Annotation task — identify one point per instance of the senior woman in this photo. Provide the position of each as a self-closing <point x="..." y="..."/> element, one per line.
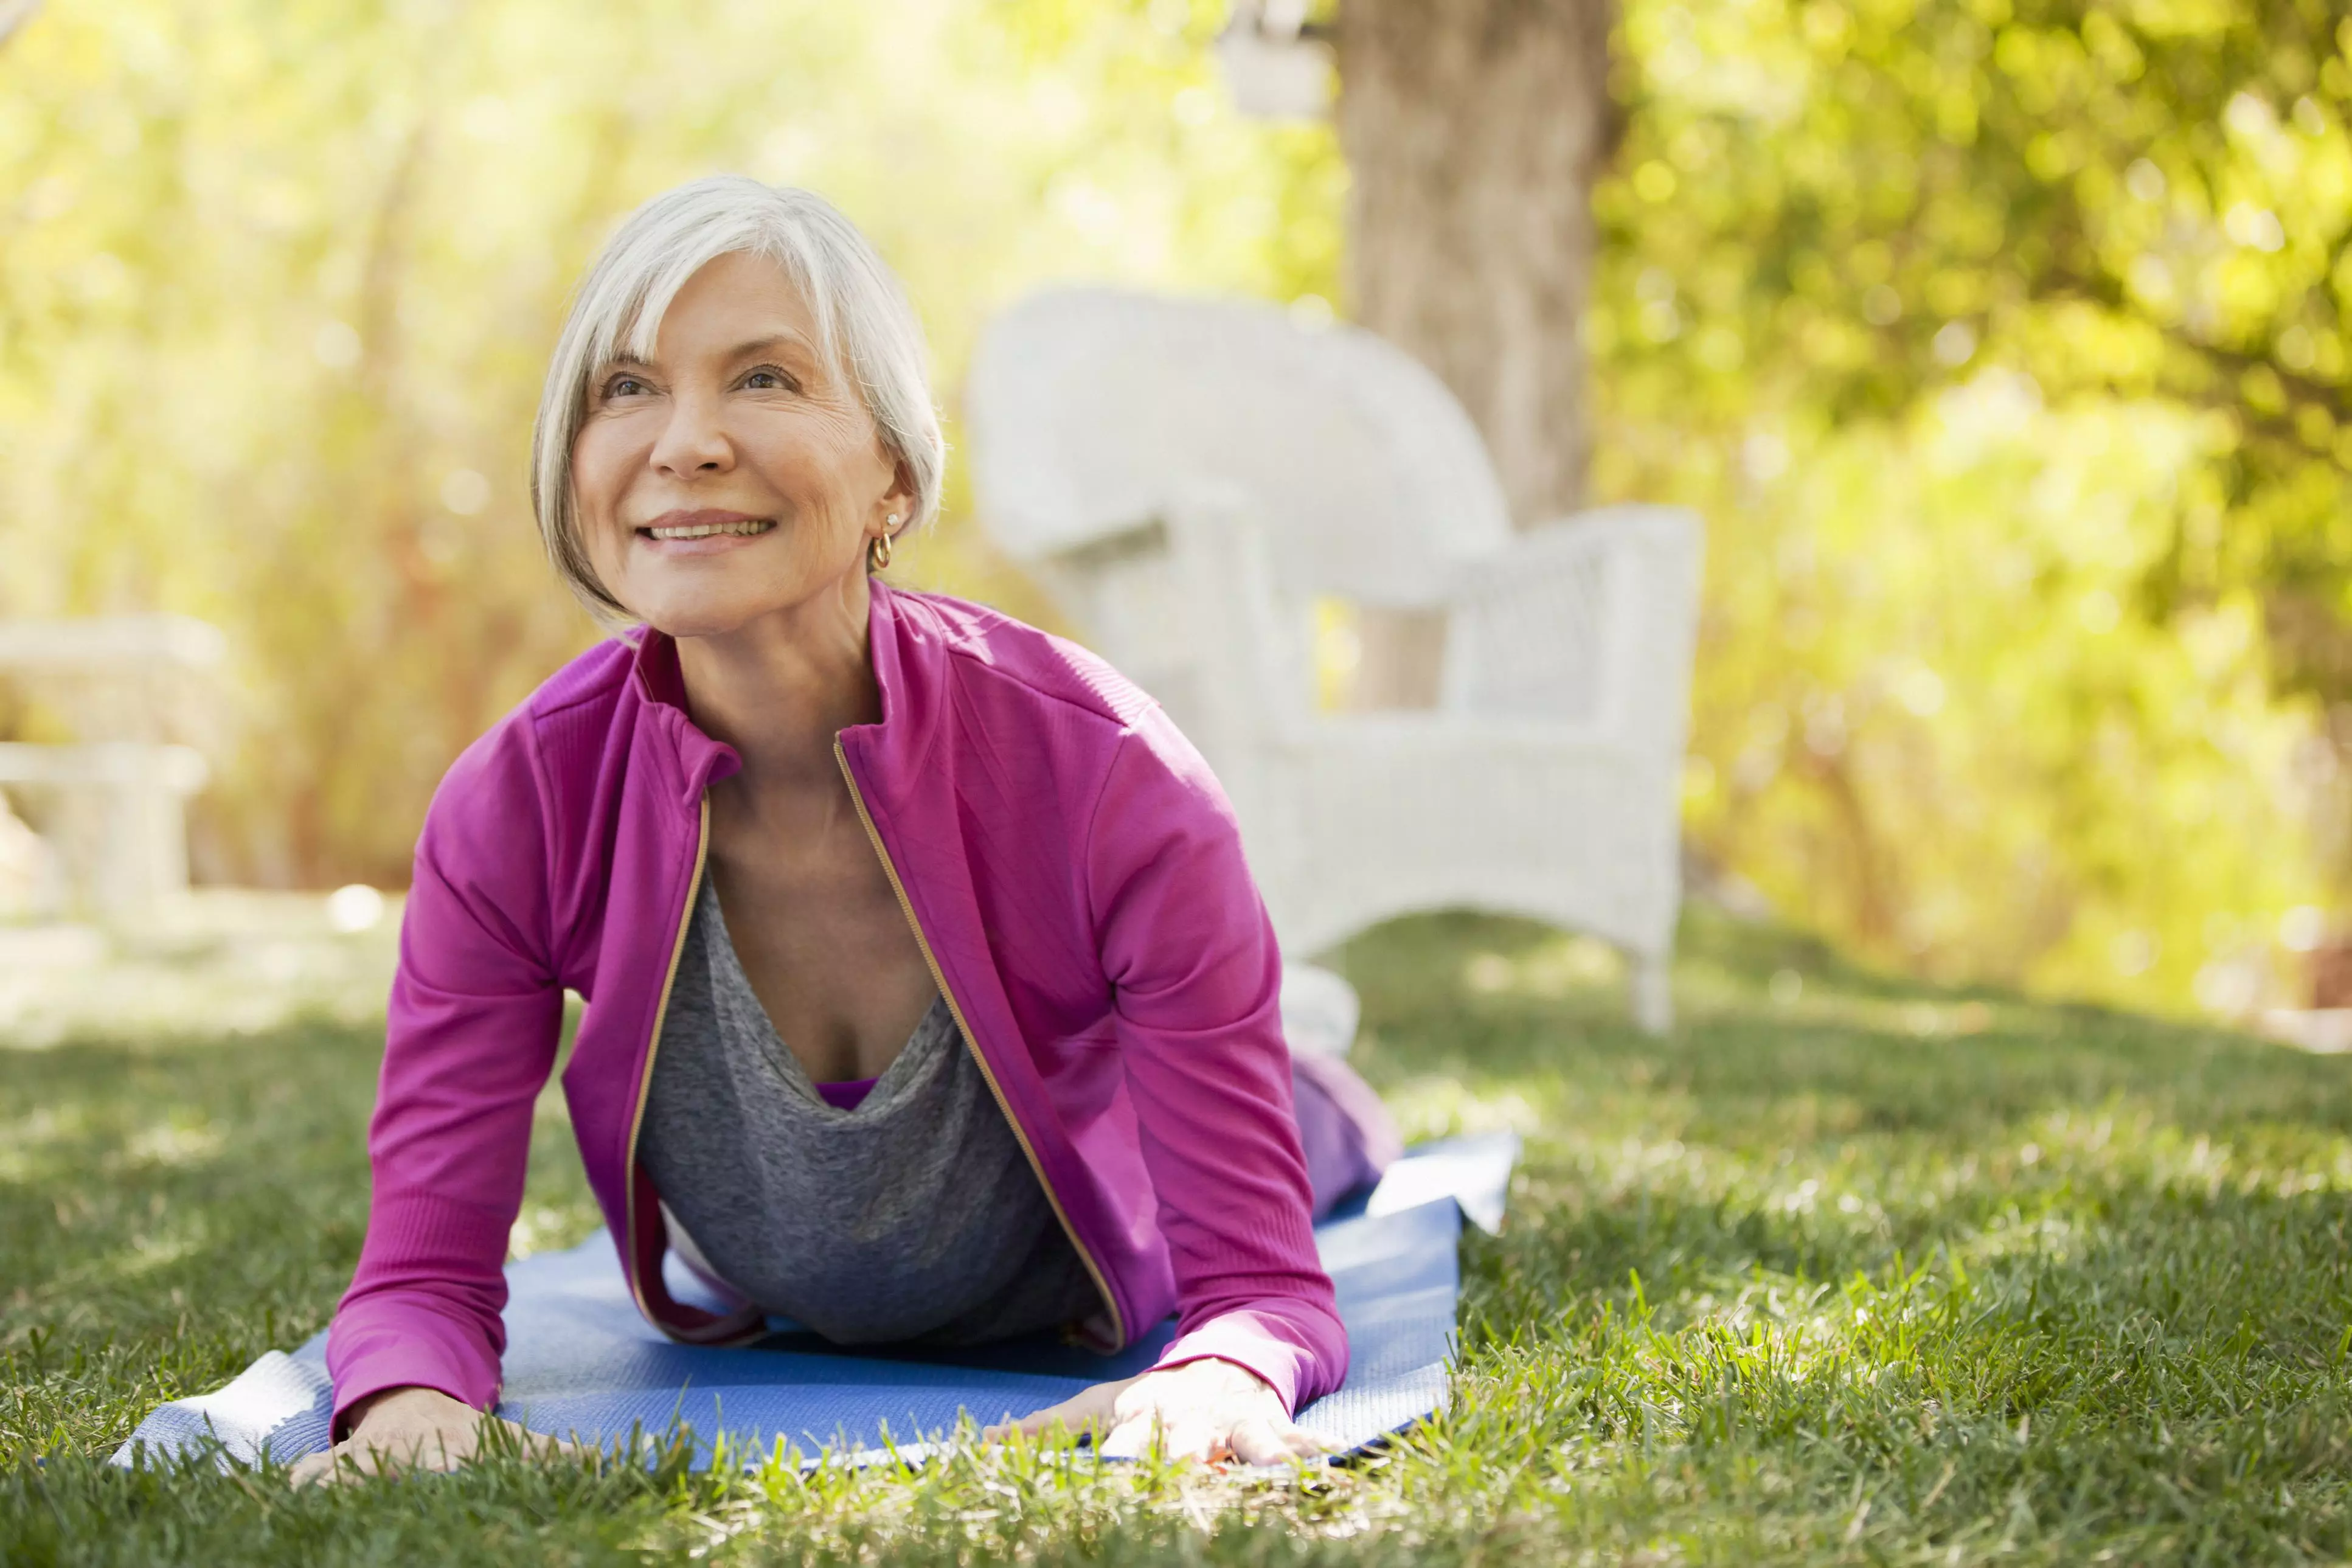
<point x="928" y="998"/>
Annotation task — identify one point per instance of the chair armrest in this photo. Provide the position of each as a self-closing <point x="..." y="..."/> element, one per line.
<point x="1588" y="620"/>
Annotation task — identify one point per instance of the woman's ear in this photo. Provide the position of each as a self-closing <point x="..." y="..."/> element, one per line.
<point x="900" y="496"/>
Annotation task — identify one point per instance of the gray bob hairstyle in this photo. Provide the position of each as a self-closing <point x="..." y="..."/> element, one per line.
<point x="863" y="324"/>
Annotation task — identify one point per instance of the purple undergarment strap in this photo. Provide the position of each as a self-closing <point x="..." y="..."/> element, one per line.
<point x="847" y="1096"/>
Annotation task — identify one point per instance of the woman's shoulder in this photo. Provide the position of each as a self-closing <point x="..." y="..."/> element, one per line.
<point x="507" y="764"/>
<point x="1009" y="673"/>
<point x="983" y="645"/>
<point x="597" y="674"/>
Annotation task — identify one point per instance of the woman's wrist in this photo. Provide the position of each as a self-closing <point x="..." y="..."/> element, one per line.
<point x="1240" y="1374"/>
<point x="390" y="1405"/>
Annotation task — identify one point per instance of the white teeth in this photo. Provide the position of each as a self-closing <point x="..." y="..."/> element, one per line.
<point x="705" y="529"/>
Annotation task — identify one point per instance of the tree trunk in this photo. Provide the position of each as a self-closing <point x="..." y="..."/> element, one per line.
<point x="1473" y="130"/>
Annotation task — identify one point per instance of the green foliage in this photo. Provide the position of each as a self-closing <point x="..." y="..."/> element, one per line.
<point x="2001" y="342"/>
<point x="2006" y="344"/>
<point x="1852" y="1269"/>
<point x="278" y="283"/>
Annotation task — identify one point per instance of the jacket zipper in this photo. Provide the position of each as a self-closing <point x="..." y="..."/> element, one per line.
<point x="653" y="1046"/>
<point x="938" y="978"/>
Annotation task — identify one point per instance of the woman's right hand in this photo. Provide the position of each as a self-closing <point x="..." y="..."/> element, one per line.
<point x="414" y="1429"/>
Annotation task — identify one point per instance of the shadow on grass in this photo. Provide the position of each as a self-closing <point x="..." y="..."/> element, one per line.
<point x="1857" y="1052"/>
<point x="1846" y="1268"/>
<point x="2155" y="1376"/>
<point x="1878" y="1270"/>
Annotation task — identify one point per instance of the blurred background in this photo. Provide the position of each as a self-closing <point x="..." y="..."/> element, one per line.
<point x="2001" y="344"/>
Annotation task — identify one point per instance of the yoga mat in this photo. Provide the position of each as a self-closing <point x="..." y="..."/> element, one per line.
<point x="580" y="1361"/>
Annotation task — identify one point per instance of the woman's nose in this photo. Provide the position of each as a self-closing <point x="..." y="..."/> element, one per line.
<point x="693" y="440"/>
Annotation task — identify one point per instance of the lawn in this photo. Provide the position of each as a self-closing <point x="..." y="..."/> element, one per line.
<point x="1847" y="1270"/>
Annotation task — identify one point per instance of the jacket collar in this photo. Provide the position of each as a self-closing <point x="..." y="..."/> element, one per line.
<point x="882" y="638"/>
<point x="908" y="645"/>
<point x="654" y="667"/>
<point x="661" y="685"/>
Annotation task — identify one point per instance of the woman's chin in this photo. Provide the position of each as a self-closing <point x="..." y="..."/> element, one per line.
<point x="703" y="620"/>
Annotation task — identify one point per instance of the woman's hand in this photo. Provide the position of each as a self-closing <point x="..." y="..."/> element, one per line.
<point x="1205" y="1409"/>
<point x="414" y="1429"/>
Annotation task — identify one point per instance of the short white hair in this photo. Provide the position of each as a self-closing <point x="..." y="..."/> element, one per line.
<point x="864" y="321"/>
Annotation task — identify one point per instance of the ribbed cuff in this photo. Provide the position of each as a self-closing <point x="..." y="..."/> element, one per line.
<point x="1242" y="1338"/>
<point x="389" y="1343"/>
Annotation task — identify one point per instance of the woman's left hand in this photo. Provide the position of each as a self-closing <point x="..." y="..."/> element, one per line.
<point x="1205" y="1409"/>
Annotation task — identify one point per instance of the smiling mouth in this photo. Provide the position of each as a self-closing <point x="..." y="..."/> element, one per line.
<point x="746" y="527"/>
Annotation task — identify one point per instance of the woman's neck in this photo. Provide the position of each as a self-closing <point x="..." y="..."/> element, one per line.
<point x="778" y="689"/>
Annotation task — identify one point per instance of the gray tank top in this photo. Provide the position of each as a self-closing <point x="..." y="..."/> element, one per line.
<point x="914" y="1216"/>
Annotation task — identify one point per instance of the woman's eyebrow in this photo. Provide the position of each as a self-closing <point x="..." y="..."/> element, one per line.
<point x="769" y="344"/>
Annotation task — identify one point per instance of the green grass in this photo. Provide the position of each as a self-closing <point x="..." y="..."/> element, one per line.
<point x="1869" y="1274"/>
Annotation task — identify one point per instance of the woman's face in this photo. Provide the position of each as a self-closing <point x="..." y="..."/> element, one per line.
<point x="740" y="474"/>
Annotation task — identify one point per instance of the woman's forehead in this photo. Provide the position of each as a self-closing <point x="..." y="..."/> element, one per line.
<point x="735" y="304"/>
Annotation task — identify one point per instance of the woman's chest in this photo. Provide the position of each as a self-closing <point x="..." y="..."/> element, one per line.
<point x="823" y="942"/>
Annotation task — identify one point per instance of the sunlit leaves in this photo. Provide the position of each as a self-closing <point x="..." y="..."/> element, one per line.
<point x="278" y="283"/>
<point x="2039" y="405"/>
<point x="2003" y="342"/>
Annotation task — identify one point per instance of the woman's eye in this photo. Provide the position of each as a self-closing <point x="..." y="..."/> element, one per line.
<point x="623" y="387"/>
<point x="768" y="379"/>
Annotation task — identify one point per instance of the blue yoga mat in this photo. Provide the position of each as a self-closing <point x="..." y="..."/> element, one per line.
<point x="582" y="1362"/>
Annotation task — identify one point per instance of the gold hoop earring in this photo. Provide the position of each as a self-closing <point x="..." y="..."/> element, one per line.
<point x="879" y="548"/>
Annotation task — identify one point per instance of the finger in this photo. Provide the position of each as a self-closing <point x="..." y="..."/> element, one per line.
<point x="434" y="1453"/>
<point x="1172" y="1427"/>
<point x="1085" y="1412"/>
<point x="395" y="1454"/>
<point x="1069" y="1413"/>
<point x="341" y="1465"/>
<point x="1185" y="1435"/>
<point x="541" y="1445"/>
<point x="1259" y="1441"/>
<point x="1131" y="1438"/>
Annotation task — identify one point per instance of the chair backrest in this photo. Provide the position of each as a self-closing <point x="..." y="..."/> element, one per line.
<point x="1093" y="410"/>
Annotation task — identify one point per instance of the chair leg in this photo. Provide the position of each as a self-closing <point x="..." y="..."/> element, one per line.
<point x="1651" y="991"/>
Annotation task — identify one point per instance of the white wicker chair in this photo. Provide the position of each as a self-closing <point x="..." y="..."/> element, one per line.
<point x="1188" y="477"/>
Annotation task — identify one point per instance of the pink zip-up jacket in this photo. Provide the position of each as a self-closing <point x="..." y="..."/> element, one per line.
<point x="1076" y="880"/>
